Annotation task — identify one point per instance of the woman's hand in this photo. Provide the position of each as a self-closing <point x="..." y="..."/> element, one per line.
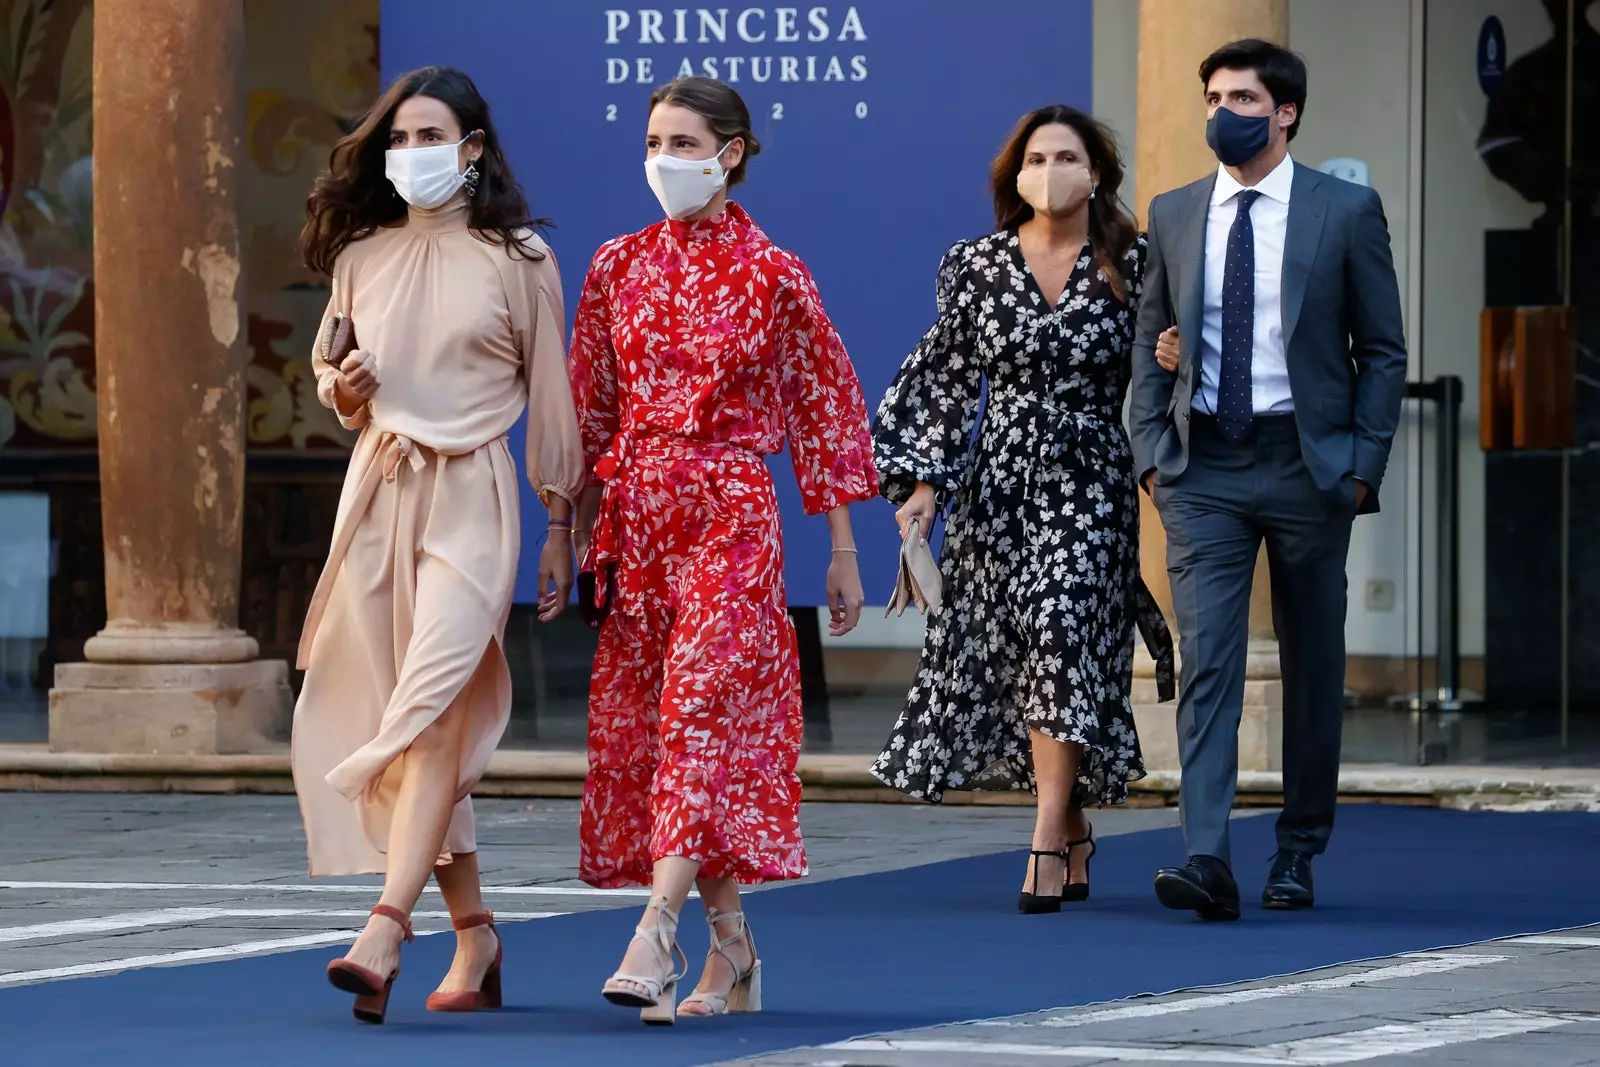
<point x="358" y="377"/>
<point x="918" y="509"/>
<point x="555" y="574"/>
<point x="845" y="595"/>
<point x="1167" y="349"/>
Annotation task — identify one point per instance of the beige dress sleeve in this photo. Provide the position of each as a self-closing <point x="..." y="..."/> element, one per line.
<point x="554" y="454"/>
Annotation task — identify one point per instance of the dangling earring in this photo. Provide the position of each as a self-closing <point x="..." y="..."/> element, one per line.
<point x="471" y="180"/>
<point x="1093" y="186"/>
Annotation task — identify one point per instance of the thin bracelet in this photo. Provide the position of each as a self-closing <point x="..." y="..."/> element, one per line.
<point x="851" y="551"/>
<point x="560" y="526"/>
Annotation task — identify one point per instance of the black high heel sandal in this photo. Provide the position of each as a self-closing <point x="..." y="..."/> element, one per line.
<point x="1076" y="892"/>
<point x="1035" y="903"/>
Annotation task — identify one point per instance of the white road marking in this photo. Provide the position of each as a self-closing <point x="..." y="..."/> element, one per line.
<point x="271" y="887"/>
<point x="139" y="920"/>
<point x="1417" y="965"/>
<point x="1558" y="939"/>
<point x="193" y="955"/>
<point x="1401" y="1039"/>
<point x="1394" y="1039"/>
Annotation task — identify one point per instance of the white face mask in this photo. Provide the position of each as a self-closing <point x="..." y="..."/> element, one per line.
<point x="425" y="177"/>
<point x="684" y="186"/>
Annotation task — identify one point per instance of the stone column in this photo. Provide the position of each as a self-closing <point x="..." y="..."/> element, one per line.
<point x="171" y="672"/>
<point x="1175" y="36"/>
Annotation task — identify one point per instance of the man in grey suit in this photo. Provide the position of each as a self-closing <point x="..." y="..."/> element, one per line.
<point x="1268" y="372"/>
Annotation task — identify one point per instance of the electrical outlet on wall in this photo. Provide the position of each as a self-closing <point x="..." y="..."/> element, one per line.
<point x="1380" y="595"/>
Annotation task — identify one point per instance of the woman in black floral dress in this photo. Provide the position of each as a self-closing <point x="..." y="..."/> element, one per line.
<point x="1028" y="664"/>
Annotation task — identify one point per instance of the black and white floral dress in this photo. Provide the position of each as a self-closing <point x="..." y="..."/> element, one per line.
<point x="1041" y="548"/>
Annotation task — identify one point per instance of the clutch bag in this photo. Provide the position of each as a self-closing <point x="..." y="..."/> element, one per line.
<point x="338" y="340"/>
<point x="594" y="599"/>
<point x="919" y="581"/>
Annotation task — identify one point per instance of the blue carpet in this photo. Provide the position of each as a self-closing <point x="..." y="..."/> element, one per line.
<point x="916" y="947"/>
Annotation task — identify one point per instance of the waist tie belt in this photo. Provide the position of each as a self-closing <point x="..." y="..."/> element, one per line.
<point x="1060" y="430"/>
<point x="397" y="448"/>
<point x="617" y="465"/>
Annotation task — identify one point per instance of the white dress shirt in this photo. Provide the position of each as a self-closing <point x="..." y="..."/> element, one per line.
<point x="1269" y="364"/>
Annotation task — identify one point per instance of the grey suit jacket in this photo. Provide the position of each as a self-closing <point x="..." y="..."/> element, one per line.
<point x="1341" y="326"/>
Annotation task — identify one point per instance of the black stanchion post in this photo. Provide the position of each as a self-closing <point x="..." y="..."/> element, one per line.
<point x="1448" y="681"/>
<point x="814" y="695"/>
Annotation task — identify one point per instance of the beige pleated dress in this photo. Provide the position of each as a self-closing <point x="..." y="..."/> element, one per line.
<point x="410" y="613"/>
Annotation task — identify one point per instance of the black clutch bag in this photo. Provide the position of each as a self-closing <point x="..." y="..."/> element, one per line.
<point x="594" y="603"/>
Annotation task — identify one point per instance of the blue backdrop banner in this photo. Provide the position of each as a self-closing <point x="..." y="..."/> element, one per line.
<point x="877" y="121"/>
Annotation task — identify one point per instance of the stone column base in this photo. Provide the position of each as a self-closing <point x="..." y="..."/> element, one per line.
<point x="171" y="708"/>
<point x="1260" y="727"/>
<point x="169" y="642"/>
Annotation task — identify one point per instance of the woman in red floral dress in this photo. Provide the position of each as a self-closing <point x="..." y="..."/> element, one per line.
<point x="699" y="348"/>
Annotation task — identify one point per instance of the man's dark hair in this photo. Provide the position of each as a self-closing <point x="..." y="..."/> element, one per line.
<point x="1280" y="70"/>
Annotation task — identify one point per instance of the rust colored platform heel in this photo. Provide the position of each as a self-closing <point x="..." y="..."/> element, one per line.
<point x="487" y="995"/>
<point x="371" y="991"/>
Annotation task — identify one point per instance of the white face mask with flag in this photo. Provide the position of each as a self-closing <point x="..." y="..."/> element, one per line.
<point x="684" y="186"/>
<point x="426" y="177"/>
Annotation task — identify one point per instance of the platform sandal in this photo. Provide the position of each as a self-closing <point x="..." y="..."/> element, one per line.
<point x="656" y="995"/>
<point x="745" y="995"/>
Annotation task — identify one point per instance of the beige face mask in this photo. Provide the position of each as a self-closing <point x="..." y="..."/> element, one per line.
<point x="1056" y="188"/>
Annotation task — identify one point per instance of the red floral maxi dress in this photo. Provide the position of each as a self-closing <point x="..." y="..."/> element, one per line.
<point x="698" y="348"/>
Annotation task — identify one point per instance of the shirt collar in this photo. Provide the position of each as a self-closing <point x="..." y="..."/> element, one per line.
<point x="1275" y="186"/>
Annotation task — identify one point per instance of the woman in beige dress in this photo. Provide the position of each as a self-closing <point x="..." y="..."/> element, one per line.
<point x="457" y="308"/>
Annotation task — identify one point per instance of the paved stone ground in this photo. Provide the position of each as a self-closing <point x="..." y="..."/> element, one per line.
<point x="96" y="883"/>
<point x="90" y="860"/>
<point x="1526" y="1002"/>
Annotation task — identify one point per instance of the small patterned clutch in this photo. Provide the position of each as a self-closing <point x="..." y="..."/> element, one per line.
<point x="338" y="340"/>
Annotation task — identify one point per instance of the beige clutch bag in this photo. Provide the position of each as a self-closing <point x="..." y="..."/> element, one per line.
<point x="919" y="582"/>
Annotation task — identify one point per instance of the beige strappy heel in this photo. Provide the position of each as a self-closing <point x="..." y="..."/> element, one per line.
<point x="745" y="996"/>
<point x="660" y="994"/>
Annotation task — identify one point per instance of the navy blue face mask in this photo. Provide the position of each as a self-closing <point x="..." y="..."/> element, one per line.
<point x="1236" y="138"/>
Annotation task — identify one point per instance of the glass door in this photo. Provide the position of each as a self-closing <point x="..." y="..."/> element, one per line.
<point x="1509" y="634"/>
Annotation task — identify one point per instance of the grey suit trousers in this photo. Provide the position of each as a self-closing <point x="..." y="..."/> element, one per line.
<point x="1230" y="498"/>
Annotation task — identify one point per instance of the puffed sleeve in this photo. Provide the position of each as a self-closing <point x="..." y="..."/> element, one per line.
<point x="554" y="454"/>
<point x="825" y="413"/>
<point x="923" y="432"/>
<point x="338" y="302"/>
<point x="592" y="362"/>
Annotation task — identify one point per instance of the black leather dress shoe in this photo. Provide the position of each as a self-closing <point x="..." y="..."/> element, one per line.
<point x="1205" y="887"/>
<point x="1289" y="883"/>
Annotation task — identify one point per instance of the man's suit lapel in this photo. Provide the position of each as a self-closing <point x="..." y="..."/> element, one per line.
<point x="1308" y="206"/>
<point x="1191" y="308"/>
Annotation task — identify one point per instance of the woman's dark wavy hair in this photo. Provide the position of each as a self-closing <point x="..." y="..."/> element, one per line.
<point x="1111" y="227"/>
<point x="353" y="197"/>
